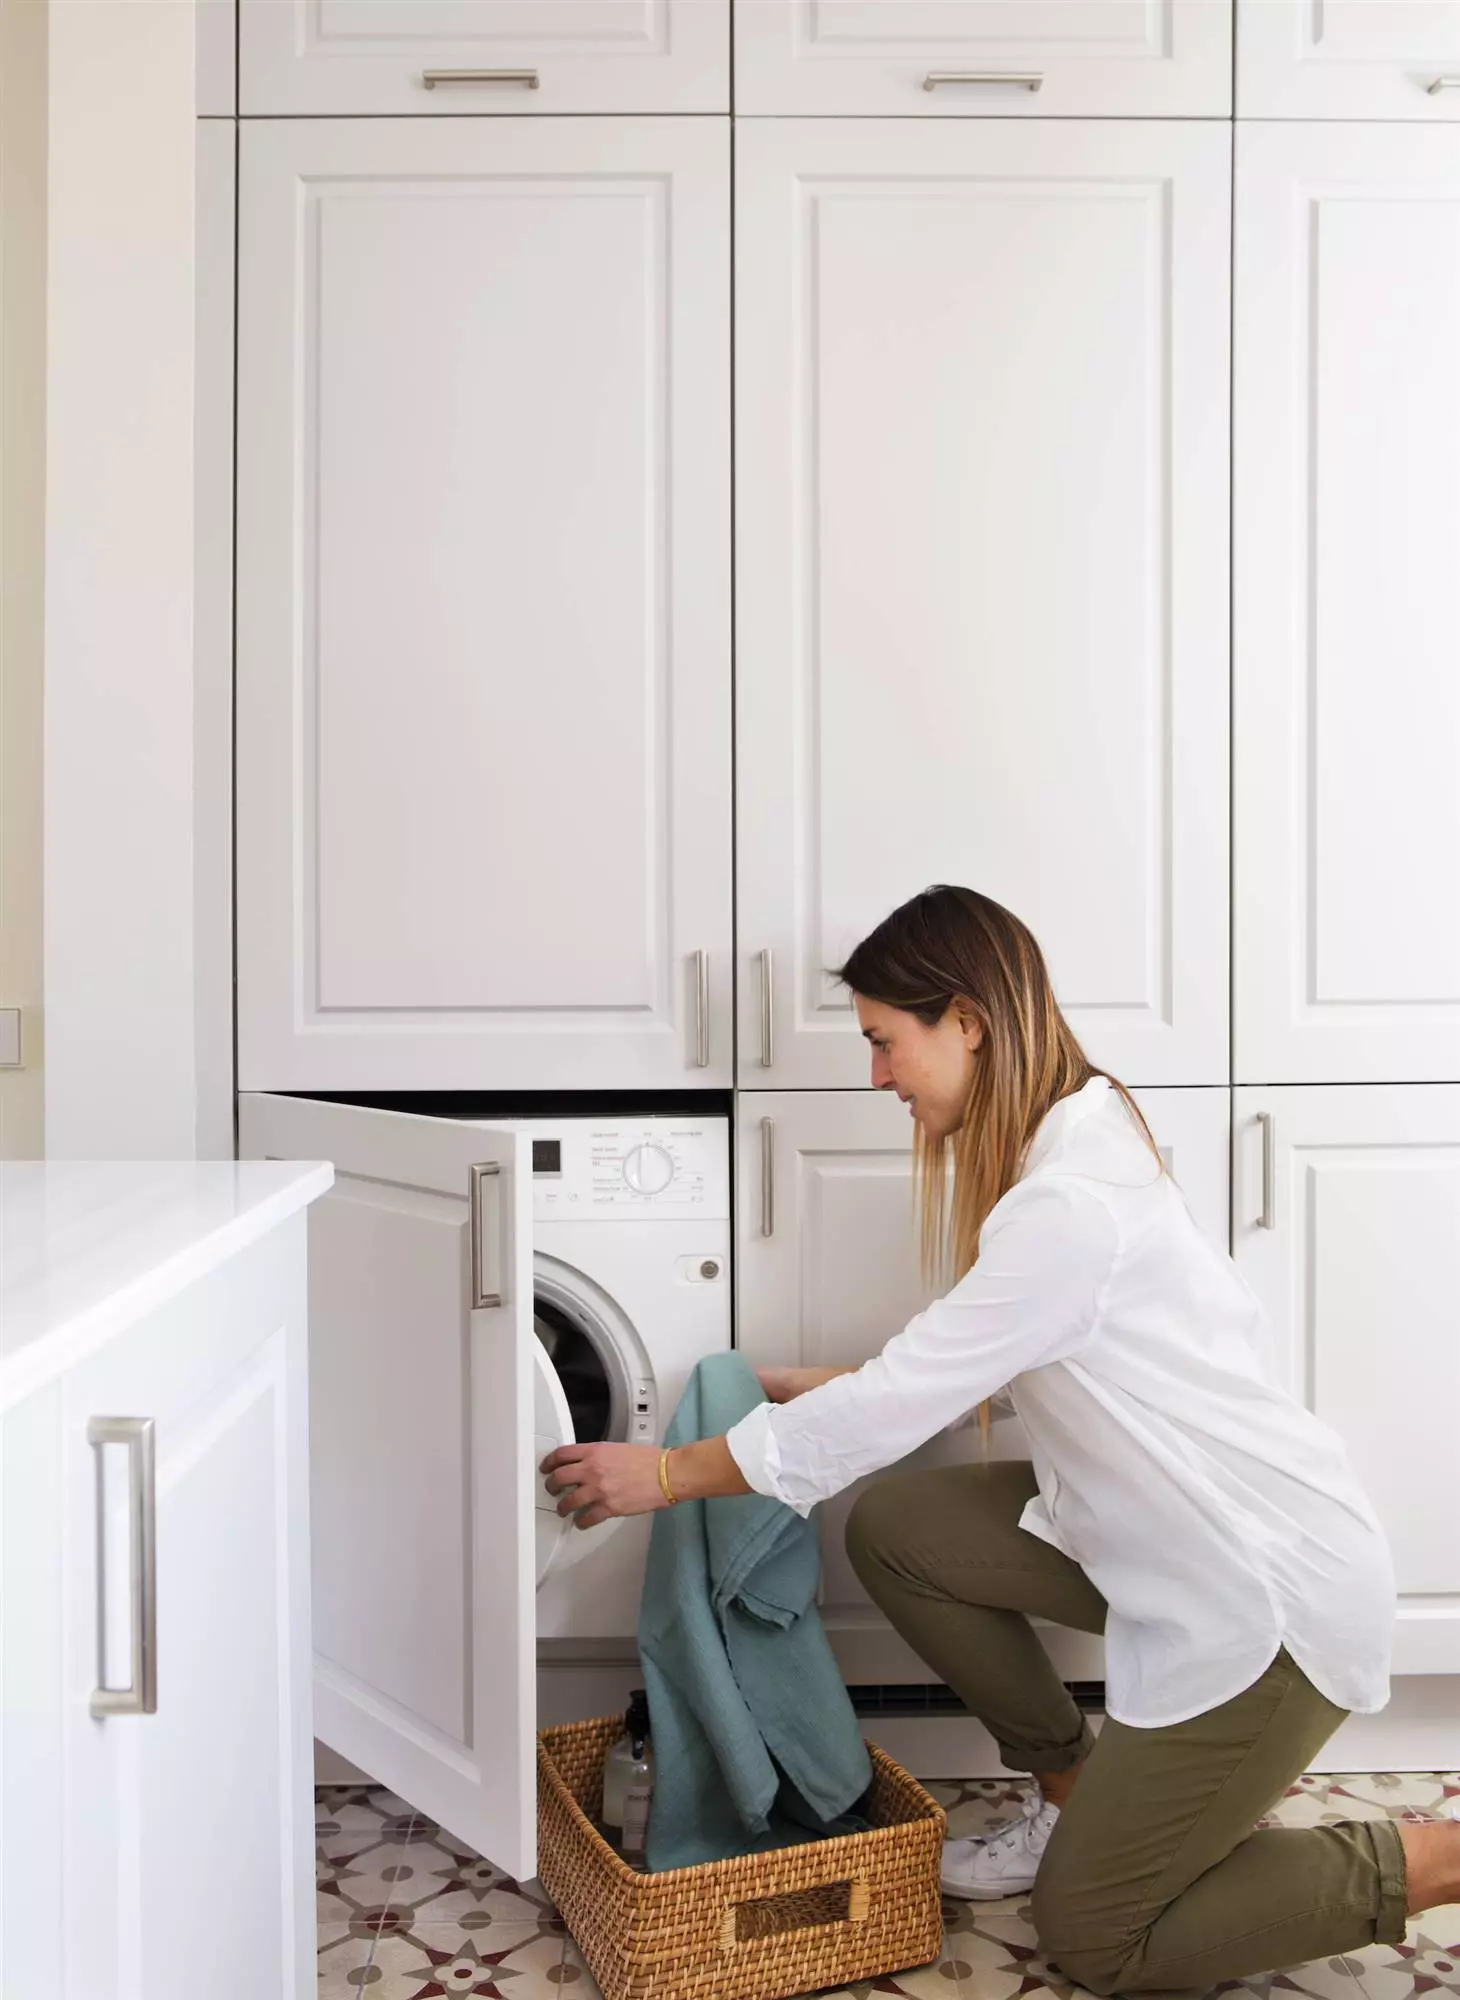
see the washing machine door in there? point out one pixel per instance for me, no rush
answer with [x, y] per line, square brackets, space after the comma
[552, 1426]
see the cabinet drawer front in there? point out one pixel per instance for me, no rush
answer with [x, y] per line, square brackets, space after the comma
[483, 57]
[1349, 59]
[984, 58]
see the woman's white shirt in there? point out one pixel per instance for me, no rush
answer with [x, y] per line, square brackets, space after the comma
[1219, 1519]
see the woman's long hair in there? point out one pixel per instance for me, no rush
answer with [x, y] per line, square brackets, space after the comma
[952, 947]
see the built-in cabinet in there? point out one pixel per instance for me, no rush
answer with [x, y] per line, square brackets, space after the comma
[1092, 544]
[828, 1271]
[157, 1815]
[981, 567]
[1347, 518]
[1346, 1223]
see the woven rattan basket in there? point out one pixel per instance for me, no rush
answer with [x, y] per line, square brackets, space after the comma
[760, 1928]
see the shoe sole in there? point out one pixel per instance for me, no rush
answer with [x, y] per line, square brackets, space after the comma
[965, 1894]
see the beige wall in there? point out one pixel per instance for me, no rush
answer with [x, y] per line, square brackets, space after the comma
[120, 974]
[22, 545]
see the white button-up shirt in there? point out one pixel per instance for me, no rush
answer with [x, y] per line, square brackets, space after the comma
[1218, 1517]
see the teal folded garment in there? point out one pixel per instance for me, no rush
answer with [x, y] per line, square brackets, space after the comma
[756, 1744]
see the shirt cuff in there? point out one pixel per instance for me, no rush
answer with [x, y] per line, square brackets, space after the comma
[752, 1445]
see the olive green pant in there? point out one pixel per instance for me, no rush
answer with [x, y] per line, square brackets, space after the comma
[1154, 1876]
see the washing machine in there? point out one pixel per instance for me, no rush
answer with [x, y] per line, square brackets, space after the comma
[631, 1241]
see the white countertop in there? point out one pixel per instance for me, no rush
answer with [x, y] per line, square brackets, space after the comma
[88, 1247]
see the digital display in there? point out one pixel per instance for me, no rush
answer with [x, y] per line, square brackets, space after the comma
[547, 1156]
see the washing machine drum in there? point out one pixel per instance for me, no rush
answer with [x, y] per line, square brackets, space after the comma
[585, 1383]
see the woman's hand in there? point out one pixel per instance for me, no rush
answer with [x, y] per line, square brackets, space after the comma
[784, 1385]
[600, 1482]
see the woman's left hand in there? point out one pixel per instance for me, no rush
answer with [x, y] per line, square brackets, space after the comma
[599, 1482]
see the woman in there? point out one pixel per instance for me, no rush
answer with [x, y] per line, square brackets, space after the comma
[1176, 1500]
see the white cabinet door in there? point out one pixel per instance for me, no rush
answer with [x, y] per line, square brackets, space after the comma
[1347, 621]
[982, 566]
[990, 58]
[422, 1458]
[476, 57]
[189, 1832]
[836, 1274]
[483, 604]
[1359, 1271]
[1378, 59]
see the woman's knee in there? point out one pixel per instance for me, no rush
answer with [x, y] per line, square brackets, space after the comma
[877, 1524]
[1073, 1936]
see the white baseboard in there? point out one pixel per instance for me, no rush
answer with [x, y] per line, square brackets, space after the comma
[1418, 1731]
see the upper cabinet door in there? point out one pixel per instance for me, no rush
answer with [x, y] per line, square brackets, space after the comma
[483, 56]
[985, 58]
[1347, 703]
[423, 1420]
[483, 605]
[982, 532]
[1347, 1226]
[1348, 59]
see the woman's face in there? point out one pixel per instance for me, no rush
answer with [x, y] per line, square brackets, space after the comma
[931, 1069]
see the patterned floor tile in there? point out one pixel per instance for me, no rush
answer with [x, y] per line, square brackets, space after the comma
[408, 1912]
[361, 1812]
[344, 1965]
[434, 1960]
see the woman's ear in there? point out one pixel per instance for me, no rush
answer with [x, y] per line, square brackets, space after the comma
[969, 1024]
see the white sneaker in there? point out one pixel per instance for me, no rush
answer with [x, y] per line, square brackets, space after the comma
[984, 1871]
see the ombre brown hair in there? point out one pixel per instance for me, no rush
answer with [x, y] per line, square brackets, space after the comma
[952, 947]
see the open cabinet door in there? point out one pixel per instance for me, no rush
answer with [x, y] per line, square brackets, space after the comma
[424, 1422]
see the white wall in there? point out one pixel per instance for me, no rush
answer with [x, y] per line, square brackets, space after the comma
[118, 812]
[22, 547]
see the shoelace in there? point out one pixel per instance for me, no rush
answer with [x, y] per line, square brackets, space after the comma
[1032, 1807]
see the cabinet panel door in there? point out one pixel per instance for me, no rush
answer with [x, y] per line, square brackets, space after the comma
[483, 617]
[421, 1458]
[989, 58]
[1359, 1272]
[1349, 59]
[1347, 626]
[982, 566]
[483, 57]
[838, 1275]
[215, 1787]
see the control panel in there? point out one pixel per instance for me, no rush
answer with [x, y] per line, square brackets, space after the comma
[661, 1168]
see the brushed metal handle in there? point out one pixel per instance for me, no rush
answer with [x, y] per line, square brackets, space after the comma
[1031, 79]
[1442, 83]
[478, 1176]
[1268, 1218]
[767, 1009]
[524, 79]
[138, 1435]
[767, 1177]
[702, 1010]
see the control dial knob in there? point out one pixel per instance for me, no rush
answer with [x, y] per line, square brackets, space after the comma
[648, 1169]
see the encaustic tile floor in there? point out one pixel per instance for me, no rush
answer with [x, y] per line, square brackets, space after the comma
[406, 1912]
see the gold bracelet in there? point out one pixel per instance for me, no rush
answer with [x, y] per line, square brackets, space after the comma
[664, 1486]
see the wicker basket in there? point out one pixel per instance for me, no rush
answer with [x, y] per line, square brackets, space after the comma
[762, 1927]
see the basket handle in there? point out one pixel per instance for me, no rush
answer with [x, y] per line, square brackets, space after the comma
[859, 1897]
